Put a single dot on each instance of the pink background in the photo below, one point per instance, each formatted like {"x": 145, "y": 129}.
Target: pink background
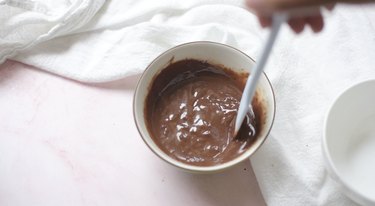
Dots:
{"x": 68, "y": 143}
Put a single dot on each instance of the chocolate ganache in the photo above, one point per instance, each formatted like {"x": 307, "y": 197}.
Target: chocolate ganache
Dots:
{"x": 190, "y": 113}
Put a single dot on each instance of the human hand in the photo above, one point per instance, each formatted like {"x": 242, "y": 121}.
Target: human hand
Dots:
{"x": 302, "y": 12}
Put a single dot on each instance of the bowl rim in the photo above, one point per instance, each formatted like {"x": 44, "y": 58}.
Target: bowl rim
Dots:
{"x": 330, "y": 164}
{"x": 194, "y": 168}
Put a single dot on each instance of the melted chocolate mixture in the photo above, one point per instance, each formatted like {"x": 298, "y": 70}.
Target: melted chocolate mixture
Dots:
{"x": 191, "y": 110}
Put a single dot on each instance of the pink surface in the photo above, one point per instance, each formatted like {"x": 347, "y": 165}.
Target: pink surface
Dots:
{"x": 67, "y": 143}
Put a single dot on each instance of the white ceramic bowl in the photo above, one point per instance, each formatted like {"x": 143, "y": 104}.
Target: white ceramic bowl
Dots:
{"x": 349, "y": 142}
{"x": 213, "y": 53}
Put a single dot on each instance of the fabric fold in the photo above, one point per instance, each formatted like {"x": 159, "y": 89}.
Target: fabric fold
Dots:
{"x": 26, "y": 23}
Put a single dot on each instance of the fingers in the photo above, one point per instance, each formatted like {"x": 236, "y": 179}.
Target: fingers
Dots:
{"x": 265, "y": 21}
{"x": 316, "y": 23}
{"x": 297, "y": 24}
{"x": 300, "y": 17}
{"x": 330, "y": 6}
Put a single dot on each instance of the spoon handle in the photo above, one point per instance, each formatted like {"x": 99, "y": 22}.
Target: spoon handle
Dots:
{"x": 248, "y": 93}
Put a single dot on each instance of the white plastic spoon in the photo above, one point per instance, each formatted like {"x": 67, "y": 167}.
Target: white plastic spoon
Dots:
{"x": 248, "y": 93}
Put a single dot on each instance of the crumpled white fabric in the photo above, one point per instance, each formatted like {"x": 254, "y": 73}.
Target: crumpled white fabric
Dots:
{"x": 307, "y": 71}
{"x": 26, "y": 23}
{"x": 125, "y": 36}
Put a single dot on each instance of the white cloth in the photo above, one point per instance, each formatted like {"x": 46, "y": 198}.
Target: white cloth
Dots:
{"x": 307, "y": 71}
{"x": 126, "y": 35}
{"x": 25, "y": 23}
